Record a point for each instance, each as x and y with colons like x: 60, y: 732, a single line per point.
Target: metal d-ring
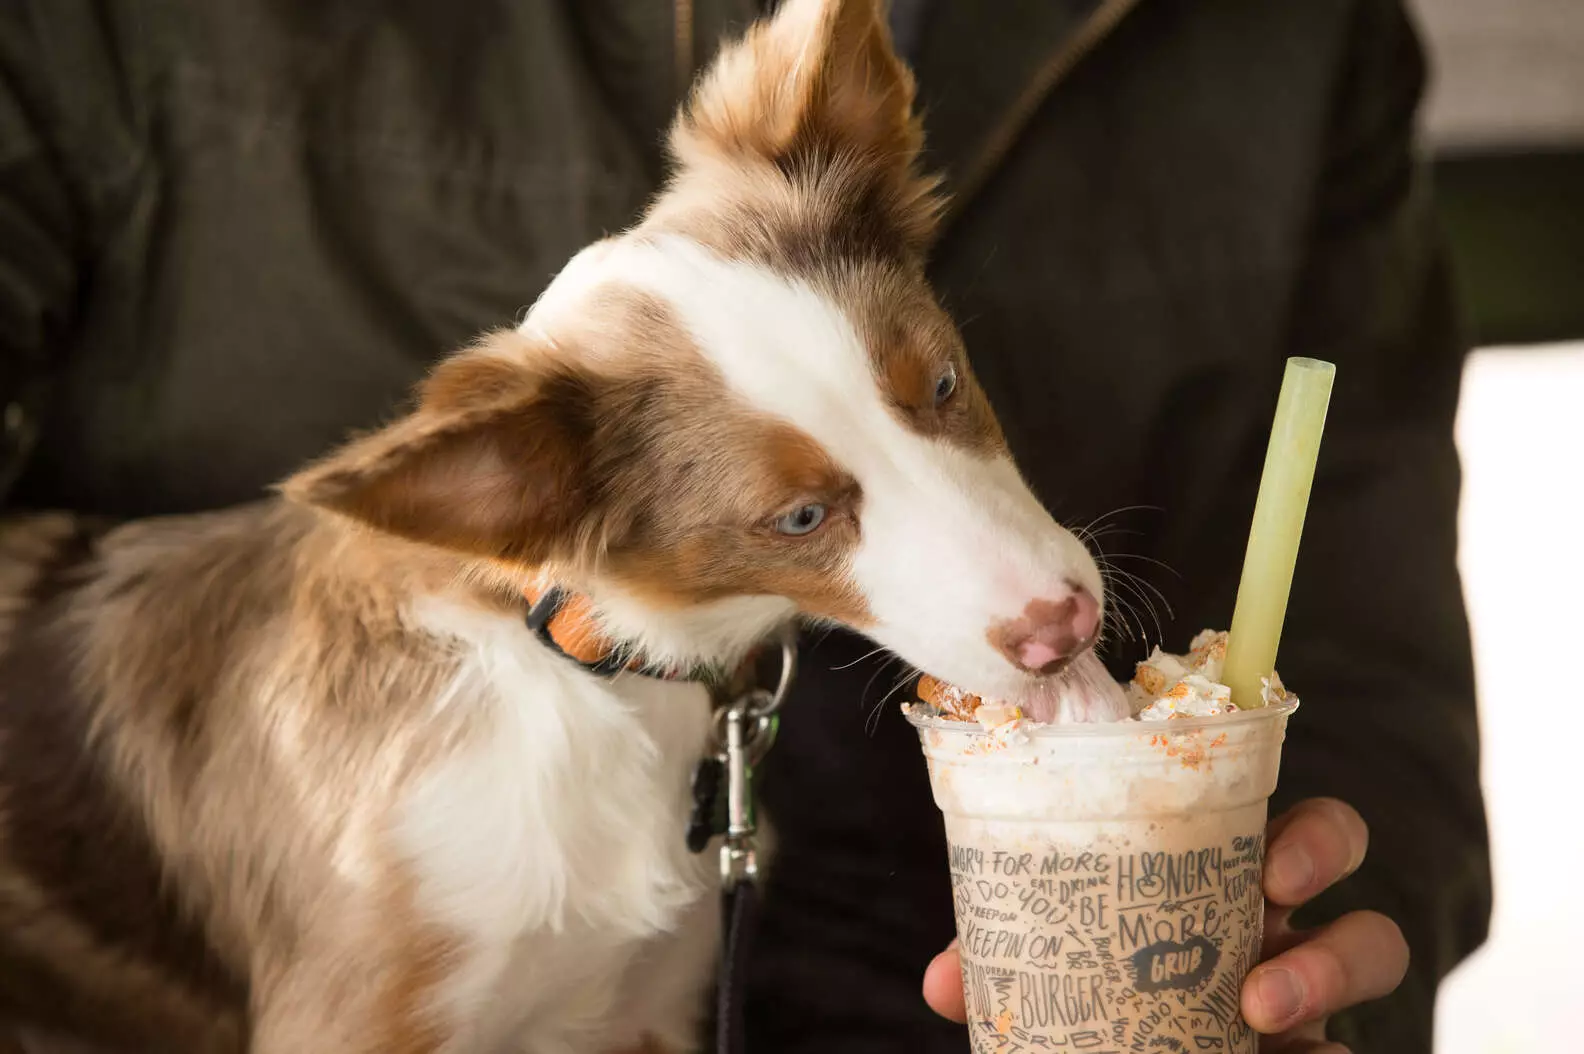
x: 783, y: 688
x: 759, y: 706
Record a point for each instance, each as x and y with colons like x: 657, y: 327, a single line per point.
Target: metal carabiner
x: 743, y: 733
x: 748, y: 730
x: 739, y: 860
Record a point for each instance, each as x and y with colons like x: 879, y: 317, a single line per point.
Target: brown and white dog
x: 297, y: 778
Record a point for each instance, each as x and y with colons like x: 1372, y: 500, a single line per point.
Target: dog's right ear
x: 492, y: 463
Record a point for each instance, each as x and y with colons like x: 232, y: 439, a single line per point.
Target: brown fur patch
x: 691, y: 545
x: 912, y: 342
x: 421, y: 962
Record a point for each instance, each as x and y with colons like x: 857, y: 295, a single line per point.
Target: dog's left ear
x: 821, y: 82
x: 492, y: 463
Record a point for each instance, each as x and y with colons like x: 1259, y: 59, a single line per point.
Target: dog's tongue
x: 1083, y: 692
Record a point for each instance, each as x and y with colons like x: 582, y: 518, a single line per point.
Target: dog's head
x: 750, y: 404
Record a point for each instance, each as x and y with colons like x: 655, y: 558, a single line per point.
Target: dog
x: 299, y: 777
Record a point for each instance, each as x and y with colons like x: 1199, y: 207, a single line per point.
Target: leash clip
x: 739, y: 857
x: 745, y: 731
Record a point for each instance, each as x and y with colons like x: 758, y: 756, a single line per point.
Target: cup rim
x: 1109, y: 729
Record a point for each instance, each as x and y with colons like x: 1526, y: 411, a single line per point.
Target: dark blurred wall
x: 1505, y: 126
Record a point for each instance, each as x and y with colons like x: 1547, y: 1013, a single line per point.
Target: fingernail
x: 1291, y: 869
x: 1278, y: 993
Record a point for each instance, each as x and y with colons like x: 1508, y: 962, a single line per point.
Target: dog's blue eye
x: 804, y: 519
x: 946, y: 387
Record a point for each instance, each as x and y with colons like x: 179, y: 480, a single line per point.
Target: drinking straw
x: 1278, y: 524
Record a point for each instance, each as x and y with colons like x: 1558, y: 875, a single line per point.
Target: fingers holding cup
x: 1357, y: 958
x: 1310, y: 848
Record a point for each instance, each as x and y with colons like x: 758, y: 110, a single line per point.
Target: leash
x: 746, y: 719
x: 745, y: 729
x: 739, y: 917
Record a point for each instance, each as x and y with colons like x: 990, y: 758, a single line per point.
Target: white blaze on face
x: 952, y: 543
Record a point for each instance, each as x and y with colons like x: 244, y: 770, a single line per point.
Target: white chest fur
x: 551, y: 842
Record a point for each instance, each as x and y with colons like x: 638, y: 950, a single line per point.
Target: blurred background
x: 1505, y: 127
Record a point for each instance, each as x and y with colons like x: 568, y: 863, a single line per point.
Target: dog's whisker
x: 1128, y: 611
x: 1162, y: 564
x: 1117, y: 617
x: 1126, y: 583
x: 1109, y: 531
x: 1114, y: 622
x: 1140, y: 585
x: 1108, y: 560
x: 1120, y: 510
x: 878, y: 670
x: 865, y: 657
x: 1122, y: 591
x: 872, y: 710
x: 872, y: 722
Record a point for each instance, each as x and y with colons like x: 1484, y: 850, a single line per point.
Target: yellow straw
x: 1278, y: 524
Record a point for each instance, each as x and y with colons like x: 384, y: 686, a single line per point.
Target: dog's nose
x: 1049, y: 632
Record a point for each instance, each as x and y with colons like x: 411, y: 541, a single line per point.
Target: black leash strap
x: 740, y: 910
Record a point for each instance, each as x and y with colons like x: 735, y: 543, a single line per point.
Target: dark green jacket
x: 230, y: 232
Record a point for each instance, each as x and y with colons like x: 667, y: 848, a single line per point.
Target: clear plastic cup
x: 1107, y: 877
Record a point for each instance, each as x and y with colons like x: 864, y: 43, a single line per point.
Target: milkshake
x: 1106, y: 876
x: 1107, y: 844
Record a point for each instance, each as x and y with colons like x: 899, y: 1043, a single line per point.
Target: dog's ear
x: 819, y: 81
x: 491, y: 463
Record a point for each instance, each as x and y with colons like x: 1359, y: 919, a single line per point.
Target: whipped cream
x: 1165, y: 686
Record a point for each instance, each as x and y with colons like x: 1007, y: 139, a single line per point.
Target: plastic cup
x: 1107, y: 878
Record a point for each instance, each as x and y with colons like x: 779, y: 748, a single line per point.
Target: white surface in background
x: 1505, y: 73
x: 1522, y: 556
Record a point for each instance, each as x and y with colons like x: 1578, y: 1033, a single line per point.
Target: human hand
x: 1307, y: 975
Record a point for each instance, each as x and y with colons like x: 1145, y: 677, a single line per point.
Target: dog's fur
x: 297, y: 776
